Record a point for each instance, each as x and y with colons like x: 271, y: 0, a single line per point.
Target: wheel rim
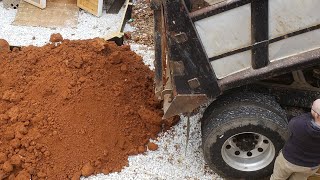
x: 248, y: 151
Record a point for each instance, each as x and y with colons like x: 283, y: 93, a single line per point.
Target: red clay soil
x: 75, y: 108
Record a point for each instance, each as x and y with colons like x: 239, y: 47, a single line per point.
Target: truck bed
x: 200, y: 55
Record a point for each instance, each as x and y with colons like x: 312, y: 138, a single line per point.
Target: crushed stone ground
x: 142, y: 20
x: 89, y: 26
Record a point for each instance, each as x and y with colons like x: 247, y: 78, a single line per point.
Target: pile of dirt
x: 74, y: 108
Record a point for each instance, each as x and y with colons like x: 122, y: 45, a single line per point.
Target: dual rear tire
x: 242, y: 135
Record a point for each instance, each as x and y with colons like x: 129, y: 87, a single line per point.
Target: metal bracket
x: 180, y: 37
x: 178, y: 68
x: 194, y: 83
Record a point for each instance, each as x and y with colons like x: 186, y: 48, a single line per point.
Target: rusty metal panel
x: 187, y: 75
x: 183, y: 103
x: 159, y: 47
x: 186, y: 57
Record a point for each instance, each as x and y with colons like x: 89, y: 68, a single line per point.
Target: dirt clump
x: 152, y: 146
x: 87, y: 170
x: 56, y: 37
x: 23, y: 175
x: 74, y: 108
x: 4, y: 46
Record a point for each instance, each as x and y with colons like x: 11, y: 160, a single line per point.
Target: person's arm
x: 296, y: 123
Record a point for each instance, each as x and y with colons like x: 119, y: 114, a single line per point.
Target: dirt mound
x: 75, y: 108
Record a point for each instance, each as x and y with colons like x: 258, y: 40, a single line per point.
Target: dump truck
x: 244, y: 61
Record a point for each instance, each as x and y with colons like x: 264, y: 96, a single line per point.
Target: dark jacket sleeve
x: 297, y: 124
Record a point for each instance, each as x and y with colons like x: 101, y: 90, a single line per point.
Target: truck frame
x: 246, y: 59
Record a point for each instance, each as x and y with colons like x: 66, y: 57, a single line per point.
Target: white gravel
x: 147, y: 53
x: 88, y: 27
x: 170, y: 161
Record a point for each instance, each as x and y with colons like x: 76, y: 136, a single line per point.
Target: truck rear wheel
x: 242, y: 134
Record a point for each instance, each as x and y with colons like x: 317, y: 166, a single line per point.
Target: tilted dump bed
x: 201, y: 54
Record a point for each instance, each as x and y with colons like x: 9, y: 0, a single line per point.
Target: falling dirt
x: 74, y: 108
